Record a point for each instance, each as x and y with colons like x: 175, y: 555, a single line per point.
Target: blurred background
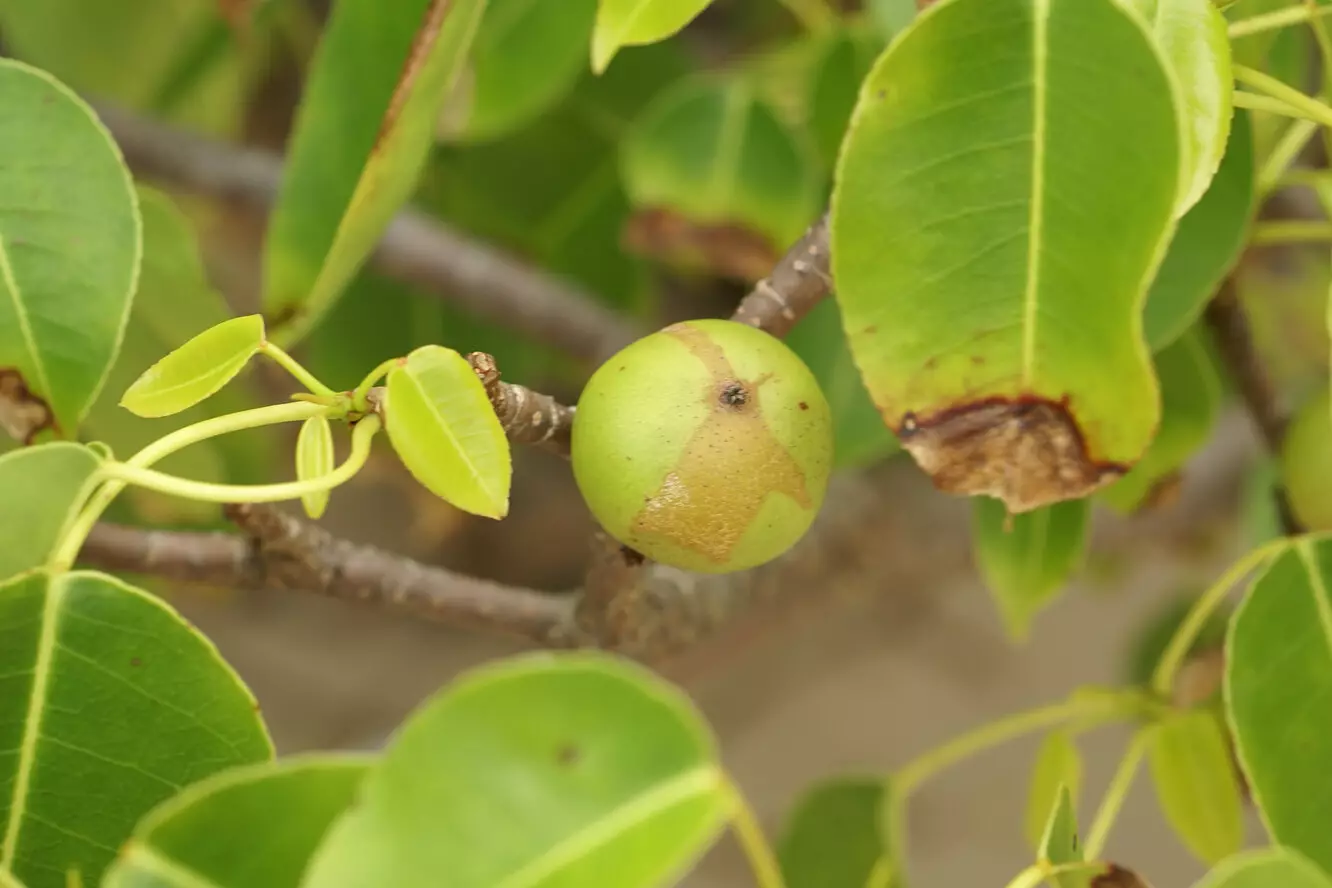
x: 876, y: 638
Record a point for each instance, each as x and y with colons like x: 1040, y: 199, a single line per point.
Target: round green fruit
x: 706, y: 446
x: 1306, y: 464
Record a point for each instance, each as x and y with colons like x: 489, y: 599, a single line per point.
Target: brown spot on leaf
x: 725, y: 249
x: 699, y: 508
x: 1117, y: 876
x: 136, y: 662
x: 568, y: 755
x: 23, y: 415
x: 1027, y: 452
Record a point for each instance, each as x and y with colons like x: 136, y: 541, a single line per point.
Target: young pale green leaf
x: 444, y: 430
x: 834, y: 838
x: 573, y: 769
x: 1278, y: 665
x: 1026, y: 559
x: 1195, y: 783
x: 70, y: 241
x: 977, y: 188
x: 44, y: 486
x: 1190, y: 402
x: 1266, y: 868
x: 1058, y: 768
x: 1059, y: 842
x: 1306, y: 462
x: 197, y: 369
x: 526, y: 57
x: 314, y: 458
x: 1191, y: 35
x: 112, y: 703
x: 859, y: 433
x: 254, y: 826
x: 707, y: 152
x: 364, y: 127
x: 622, y: 23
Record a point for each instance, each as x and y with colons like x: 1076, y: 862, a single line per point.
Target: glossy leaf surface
x: 543, y: 770
x: 446, y: 433
x: 622, y: 23
x: 248, y: 827
x: 109, y: 704
x: 43, y: 487
x: 1195, y: 783
x: 981, y: 179
x: 70, y: 242
x: 197, y: 369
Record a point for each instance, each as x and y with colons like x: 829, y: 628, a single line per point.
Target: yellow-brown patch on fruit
x: 695, y: 508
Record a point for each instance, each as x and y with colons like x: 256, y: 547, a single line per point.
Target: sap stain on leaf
x: 23, y: 415
x: 1027, y: 452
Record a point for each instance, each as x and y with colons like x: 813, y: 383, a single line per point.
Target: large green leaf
x: 1278, y: 675
x: 1265, y: 868
x: 1306, y: 462
x: 249, y: 827
x: 1195, y: 783
x: 1058, y: 769
x: 446, y: 433
x: 70, y: 241
x: 834, y: 838
x: 363, y: 130
x: 109, y: 704
x: 859, y: 435
x: 1026, y: 559
x: 708, y: 151
x: 983, y: 176
x: 1190, y: 402
x: 1206, y: 244
x: 622, y: 23
x: 43, y: 487
x: 545, y: 770
x: 528, y: 54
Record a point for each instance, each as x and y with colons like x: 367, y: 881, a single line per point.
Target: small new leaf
x: 196, y: 370
x: 314, y: 458
x: 623, y: 23
x: 444, y: 430
x: 1060, y: 844
x: 834, y: 838
x: 1058, y: 768
x: 1195, y: 783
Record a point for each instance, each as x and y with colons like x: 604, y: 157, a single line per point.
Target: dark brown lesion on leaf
x: 23, y: 415
x: 1028, y: 452
x: 699, y: 509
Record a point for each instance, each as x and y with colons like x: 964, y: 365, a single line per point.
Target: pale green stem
x: 71, y: 540
x: 1305, y: 105
x: 1041, y: 870
x: 371, y: 378
x: 1283, y: 154
x: 1163, y: 678
x: 1270, y: 21
x: 292, y: 366
x: 814, y: 15
x: 1115, y: 794
x: 203, y: 491
x: 1255, y: 102
x: 1029, y: 877
x: 1292, y: 231
x: 1303, y: 176
x: 762, y: 860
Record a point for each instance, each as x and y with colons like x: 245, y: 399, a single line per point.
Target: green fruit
x: 706, y: 446
x: 1306, y: 464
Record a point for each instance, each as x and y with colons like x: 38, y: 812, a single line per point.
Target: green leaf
x: 197, y: 369
x: 1190, y: 402
x: 1206, y: 244
x: 44, y: 487
x: 109, y: 704
x: 859, y: 434
x: 249, y: 827
x: 1154, y: 637
x: 1058, y: 769
x: 1191, y: 35
x: 70, y: 242
x: 1026, y: 559
x: 314, y: 459
x: 440, y: 422
x: 363, y: 130
x: 623, y: 23
x: 577, y: 769
x: 1195, y: 783
x: 1306, y: 462
x: 983, y: 176
x: 1265, y: 868
x: 527, y: 56
x: 1278, y: 670
x: 833, y: 838
x: 708, y: 151
x: 1060, y: 844
x: 892, y: 15
x: 834, y: 85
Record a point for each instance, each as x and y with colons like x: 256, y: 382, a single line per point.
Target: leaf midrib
x: 1031, y: 299
x: 438, y: 420
x: 10, y: 283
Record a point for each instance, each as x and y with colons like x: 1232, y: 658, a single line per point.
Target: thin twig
x: 527, y: 416
x: 798, y: 282
x: 416, y: 248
